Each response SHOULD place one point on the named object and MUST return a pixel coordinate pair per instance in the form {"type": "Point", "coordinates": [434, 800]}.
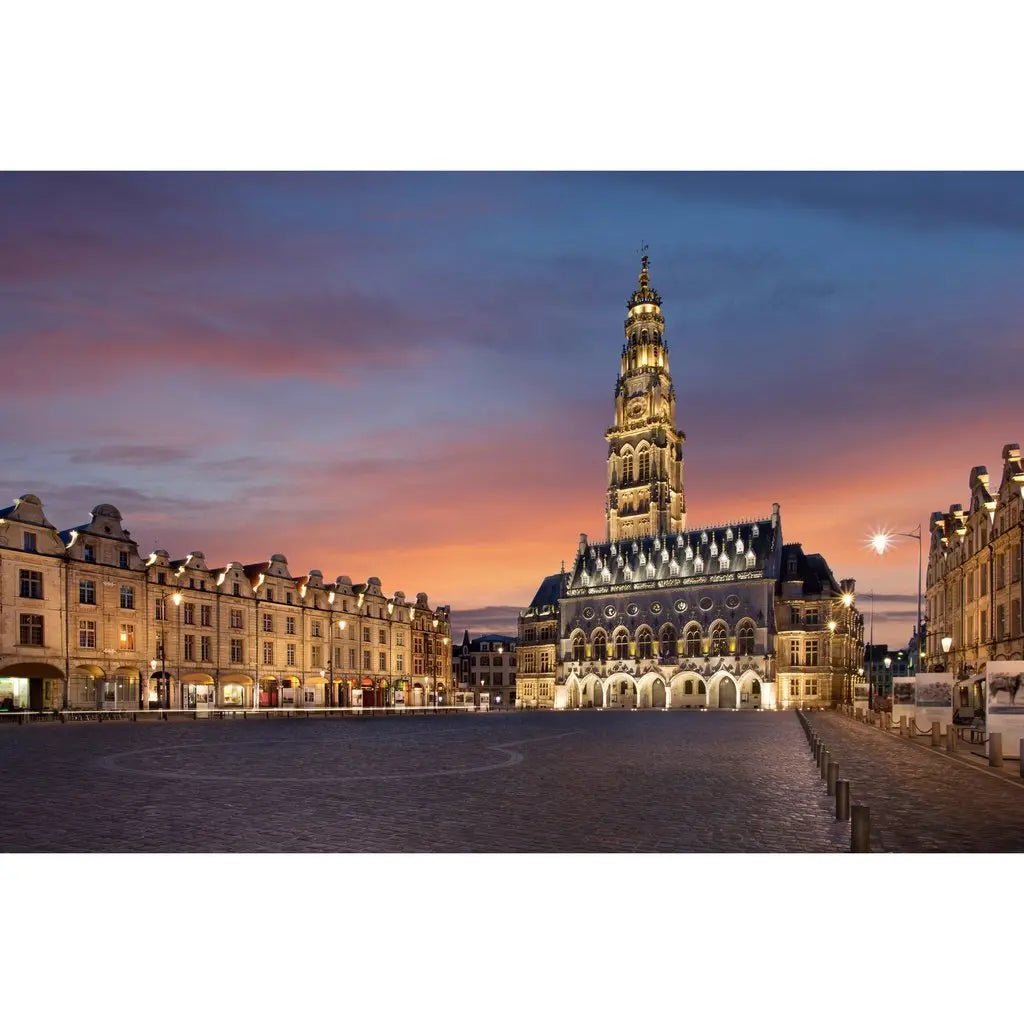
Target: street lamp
{"type": "Point", "coordinates": [881, 542]}
{"type": "Point", "coordinates": [176, 598]}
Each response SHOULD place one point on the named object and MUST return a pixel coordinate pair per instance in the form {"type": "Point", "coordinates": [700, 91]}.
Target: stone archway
{"type": "Point", "coordinates": [727, 695]}
{"type": "Point", "coordinates": [574, 695]}
{"type": "Point", "coordinates": [659, 698]}
{"type": "Point", "coordinates": [597, 694]}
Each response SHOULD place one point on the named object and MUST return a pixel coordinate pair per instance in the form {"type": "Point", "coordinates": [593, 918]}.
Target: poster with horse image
{"type": "Point", "coordinates": [1005, 685]}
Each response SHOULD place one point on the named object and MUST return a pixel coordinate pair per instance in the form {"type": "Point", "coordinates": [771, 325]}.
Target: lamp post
{"type": "Point", "coordinates": [881, 542]}
{"type": "Point", "coordinates": [176, 598]}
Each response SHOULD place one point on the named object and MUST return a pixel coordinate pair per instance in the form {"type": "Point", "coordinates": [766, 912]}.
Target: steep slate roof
{"type": "Point", "coordinates": [550, 590]}
{"type": "Point", "coordinates": [812, 570]}
{"type": "Point", "coordinates": [747, 548]}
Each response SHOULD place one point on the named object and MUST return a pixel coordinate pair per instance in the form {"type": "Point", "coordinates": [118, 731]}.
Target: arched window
{"type": "Point", "coordinates": [693, 642]}
{"type": "Point", "coordinates": [627, 468]}
{"type": "Point", "coordinates": [689, 688]}
{"type": "Point", "coordinates": [599, 644]}
{"type": "Point", "coordinates": [579, 647]}
{"type": "Point", "coordinates": [621, 646]}
{"type": "Point", "coordinates": [644, 644]}
{"type": "Point", "coordinates": [668, 641]}
{"type": "Point", "coordinates": [719, 641]}
{"type": "Point", "coordinates": [645, 466]}
{"type": "Point", "coordinates": [643, 336]}
{"type": "Point", "coordinates": [745, 639]}
{"type": "Point", "coordinates": [702, 689]}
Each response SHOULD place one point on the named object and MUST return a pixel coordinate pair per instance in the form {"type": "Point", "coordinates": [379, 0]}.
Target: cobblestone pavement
{"type": "Point", "coordinates": [584, 781]}
{"type": "Point", "coordinates": [921, 801]}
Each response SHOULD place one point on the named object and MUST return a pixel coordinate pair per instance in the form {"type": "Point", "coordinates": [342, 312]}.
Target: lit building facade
{"type": "Point", "coordinates": [87, 622]}
{"type": "Point", "coordinates": [975, 577]}
{"type": "Point", "coordinates": [665, 615]}
{"type": "Point", "coordinates": [537, 650]}
{"type": "Point", "coordinates": [486, 669]}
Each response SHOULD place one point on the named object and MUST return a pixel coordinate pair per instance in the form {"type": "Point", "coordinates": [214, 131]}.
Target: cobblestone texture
{"type": "Point", "coordinates": [585, 781]}
{"type": "Point", "coordinates": [921, 801]}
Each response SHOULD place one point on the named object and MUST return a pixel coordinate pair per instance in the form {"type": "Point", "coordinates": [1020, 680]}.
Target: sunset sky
{"type": "Point", "coordinates": [410, 375]}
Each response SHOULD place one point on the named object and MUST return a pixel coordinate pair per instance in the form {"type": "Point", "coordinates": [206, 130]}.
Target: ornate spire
{"type": "Point", "coordinates": [644, 293]}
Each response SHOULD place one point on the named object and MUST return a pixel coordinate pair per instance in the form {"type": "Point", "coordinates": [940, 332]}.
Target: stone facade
{"type": "Point", "coordinates": [721, 616]}
{"type": "Point", "coordinates": [87, 622]}
{"type": "Point", "coordinates": [975, 577]}
{"type": "Point", "coordinates": [486, 671]}
{"type": "Point", "coordinates": [537, 650]}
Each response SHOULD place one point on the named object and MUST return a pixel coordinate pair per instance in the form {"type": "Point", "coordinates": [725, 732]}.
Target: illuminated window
{"type": "Point", "coordinates": [87, 633]}
{"type": "Point", "coordinates": [719, 641]}
{"type": "Point", "coordinates": [692, 642]}
{"type": "Point", "coordinates": [645, 644]}
{"type": "Point", "coordinates": [745, 640]}
{"type": "Point", "coordinates": [621, 646]}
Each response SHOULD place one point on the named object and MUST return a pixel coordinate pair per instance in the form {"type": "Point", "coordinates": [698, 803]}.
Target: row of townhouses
{"type": "Point", "coordinates": [87, 621]}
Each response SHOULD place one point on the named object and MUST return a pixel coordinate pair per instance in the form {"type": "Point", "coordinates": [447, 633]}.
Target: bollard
{"type": "Point", "coordinates": [951, 739]}
{"type": "Point", "coordinates": [826, 757]}
{"type": "Point", "coordinates": [860, 829]}
{"type": "Point", "coordinates": [842, 800]}
{"type": "Point", "coordinates": [904, 728]}
{"type": "Point", "coordinates": [995, 750]}
{"type": "Point", "coordinates": [833, 777]}
{"type": "Point", "coordinates": [936, 734]}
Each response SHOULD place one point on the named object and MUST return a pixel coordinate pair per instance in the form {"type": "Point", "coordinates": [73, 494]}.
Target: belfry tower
{"type": "Point", "coordinates": [645, 451]}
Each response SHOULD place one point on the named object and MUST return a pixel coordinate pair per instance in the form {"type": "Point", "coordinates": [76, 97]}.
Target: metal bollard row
{"type": "Point", "coordinates": [859, 815]}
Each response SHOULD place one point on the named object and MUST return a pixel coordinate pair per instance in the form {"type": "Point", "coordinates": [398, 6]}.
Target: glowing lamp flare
{"type": "Point", "coordinates": [880, 542]}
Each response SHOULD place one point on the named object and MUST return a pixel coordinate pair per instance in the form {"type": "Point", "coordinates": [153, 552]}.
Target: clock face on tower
{"type": "Point", "coordinates": [635, 410]}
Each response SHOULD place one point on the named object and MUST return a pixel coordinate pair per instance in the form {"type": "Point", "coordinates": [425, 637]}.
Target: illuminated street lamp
{"type": "Point", "coordinates": [881, 542]}
{"type": "Point", "coordinates": [947, 643]}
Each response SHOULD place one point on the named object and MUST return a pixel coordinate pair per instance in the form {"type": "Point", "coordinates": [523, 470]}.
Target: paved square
{"type": "Point", "coordinates": [584, 781]}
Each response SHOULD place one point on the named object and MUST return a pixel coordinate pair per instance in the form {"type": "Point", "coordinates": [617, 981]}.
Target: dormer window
{"type": "Point", "coordinates": [791, 565]}
{"type": "Point", "coordinates": [88, 553]}
{"type": "Point", "coordinates": [28, 541]}
{"type": "Point", "coordinates": [270, 593]}
{"type": "Point", "coordinates": [236, 590]}
{"type": "Point", "coordinates": [122, 559]}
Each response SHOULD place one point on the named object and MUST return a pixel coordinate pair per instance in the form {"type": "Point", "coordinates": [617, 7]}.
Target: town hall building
{"type": "Point", "coordinates": [665, 615]}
